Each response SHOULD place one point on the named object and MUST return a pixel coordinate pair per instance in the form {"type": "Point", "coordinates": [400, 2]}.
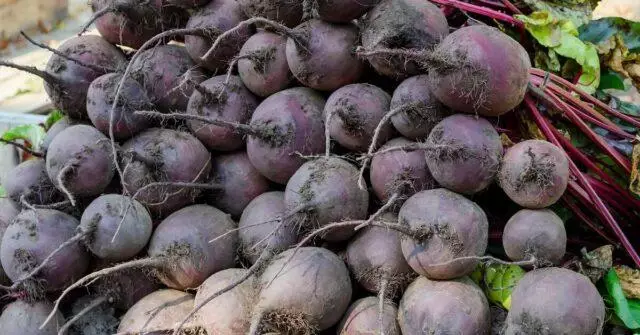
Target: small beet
{"type": "Point", "coordinates": [356, 110]}
{"type": "Point", "coordinates": [535, 233]}
{"type": "Point", "coordinates": [458, 228]}
{"type": "Point", "coordinates": [534, 173]}
{"type": "Point", "coordinates": [21, 317]}
{"type": "Point", "coordinates": [287, 12]}
{"type": "Point", "coordinates": [30, 179]}
{"type": "Point", "coordinates": [263, 64]}
{"type": "Point", "coordinates": [362, 318]}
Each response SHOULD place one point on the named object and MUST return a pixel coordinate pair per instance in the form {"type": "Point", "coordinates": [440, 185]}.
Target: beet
{"type": "Point", "coordinates": [323, 191]}
{"type": "Point", "coordinates": [21, 317]}
{"type": "Point", "coordinates": [30, 179]}
{"type": "Point", "coordinates": [157, 313]}
{"type": "Point", "coordinates": [534, 173]}
{"type": "Point", "coordinates": [168, 75]}
{"type": "Point", "coordinates": [444, 307]}
{"type": "Point", "coordinates": [362, 318]}
{"type": "Point", "coordinates": [326, 60]}
{"type": "Point", "coordinates": [301, 291]}
{"type": "Point", "coordinates": [240, 182]}
{"type": "Point", "coordinates": [229, 313]}
{"type": "Point", "coordinates": [31, 237]}
{"type": "Point", "coordinates": [222, 15]}
{"type": "Point", "coordinates": [399, 172]}
{"type": "Point", "coordinates": [80, 161]}
{"type": "Point", "coordinates": [8, 211]}
{"type": "Point", "coordinates": [535, 233]}
{"type": "Point", "coordinates": [100, 98]}
{"type": "Point", "coordinates": [480, 70]}
{"type": "Point", "coordinates": [261, 226]}
{"type": "Point", "coordinates": [343, 11]}
{"type": "Point", "coordinates": [356, 110]}
{"type": "Point", "coordinates": [458, 228]}
{"type": "Point", "coordinates": [55, 129]}
{"type": "Point", "coordinates": [184, 237]}
{"type": "Point", "coordinates": [402, 24]}
{"type": "Point", "coordinates": [535, 308]}
{"type": "Point", "coordinates": [290, 122]}
{"type": "Point", "coordinates": [418, 109]}
{"type": "Point", "coordinates": [228, 101]}
{"type": "Point", "coordinates": [122, 227]}
{"type": "Point", "coordinates": [68, 91]}
{"type": "Point", "coordinates": [464, 153]}
{"type": "Point", "coordinates": [164, 156]}
{"type": "Point", "coordinates": [262, 64]}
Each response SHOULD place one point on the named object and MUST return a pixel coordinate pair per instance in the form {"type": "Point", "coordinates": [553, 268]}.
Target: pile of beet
{"type": "Point", "coordinates": [286, 167]}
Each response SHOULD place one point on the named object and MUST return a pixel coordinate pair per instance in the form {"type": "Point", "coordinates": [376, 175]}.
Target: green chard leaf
{"type": "Point", "coordinates": [31, 133]}
{"type": "Point", "coordinates": [627, 310]}
{"type": "Point", "coordinates": [52, 118]}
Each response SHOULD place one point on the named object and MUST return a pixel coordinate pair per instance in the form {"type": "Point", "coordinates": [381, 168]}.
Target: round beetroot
{"type": "Point", "coordinates": [399, 172]}
{"type": "Point", "coordinates": [261, 227]}
{"type": "Point", "coordinates": [158, 313]}
{"type": "Point", "coordinates": [356, 110]}
{"type": "Point", "coordinates": [362, 318]}
{"type": "Point", "coordinates": [80, 161]}
{"type": "Point", "coordinates": [31, 237]}
{"type": "Point", "coordinates": [458, 228]}
{"type": "Point", "coordinates": [535, 233]}
{"type": "Point", "coordinates": [185, 236]}
{"type": "Point", "coordinates": [326, 60]}
{"type": "Point", "coordinates": [287, 12]}
{"type": "Point", "coordinates": [228, 101]}
{"type": "Point", "coordinates": [343, 11]}
{"type": "Point", "coordinates": [323, 191]}
{"type": "Point", "coordinates": [534, 173]}
{"type": "Point", "coordinates": [222, 15]}
{"type": "Point", "coordinates": [30, 179]}
{"type": "Point", "coordinates": [483, 71]}
{"type": "Point", "coordinates": [21, 317]}
{"type": "Point", "coordinates": [464, 153]}
{"type": "Point", "coordinates": [420, 111]}
{"type": "Point", "coordinates": [69, 93]}
{"type": "Point", "coordinates": [240, 182]}
{"type": "Point", "coordinates": [444, 307]}
{"type": "Point", "coordinates": [263, 68]}
{"type": "Point", "coordinates": [402, 24]}
{"type": "Point", "coordinates": [292, 123]}
{"type": "Point", "coordinates": [535, 308]}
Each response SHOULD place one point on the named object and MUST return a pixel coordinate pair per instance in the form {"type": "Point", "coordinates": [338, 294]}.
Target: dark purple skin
{"type": "Point", "coordinates": [89, 154]}
{"type": "Point", "coordinates": [106, 213]}
{"type": "Point", "coordinates": [125, 287]}
{"type": "Point", "coordinates": [399, 172]}
{"type": "Point", "coordinates": [312, 283]}
{"type": "Point", "coordinates": [236, 104]}
{"type": "Point", "coordinates": [362, 318]}
{"type": "Point", "coordinates": [188, 3]}
{"type": "Point", "coordinates": [185, 237]}
{"type": "Point", "coordinates": [534, 173]}
{"type": "Point", "coordinates": [327, 61]}
{"type": "Point", "coordinates": [294, 118]}
{"type": "Point", "coordinates": [241, 183]}
{"type": "Point", "coordinates": [8, 211]}
{"type": "Point", "coordinates": [534, 308]}
{"type": "Point", "coordinates": [132, 27]}
{"type": "Point", "coordinates": [465, 153]}
{"type": "Point", "coordinates": [402, 24]}
{"type": "Point", "coordinates": [539, 233]}
{"type": "Point", "coordinates": [32, 236]}
{"type": "Point", "coordinates": [459, 228]}
{"type": "Point", "coordinates": [286, 12]}
{"type": "Point", "coordinates": [56, 128]}
{"type": "Point", "coordinates": [356, 110]}
{"type": "Point", "coordinates": [133, 98]}
{"type": "Point", "coordinates": [343, 11]}
{"type": "Point", "coordinates": [164, 155]}
{"type": "Point", "coordinates": [259, 220]}
{"type": "Point", "coordinates": [491, 75]}
{"type": "Point", "coordinates": [168, 75]}
{"type": "Point", "coordinates": [69, 92]}
{"type": "Point", "coordinates": [21, 317]}
{"type": "Point", "coordinates": [222, 15]}
{"type": "Point", "coordinates": [328, 187]}
{"type": "Point", "coordinates": [422, 110]}
{"type": "Point", "coordinates": [374, 254]}
{"type": "Point", "coordinates": [30, 179]}
{"type": "Point", "coordinates": [444, 307]}
{"type": "Point", "coordinates": [267, 72]}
